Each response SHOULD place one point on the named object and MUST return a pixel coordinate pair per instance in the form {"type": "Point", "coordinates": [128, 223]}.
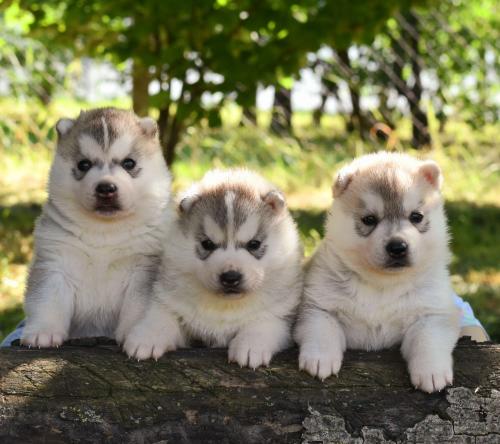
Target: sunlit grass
{"type": "Point", "coordinates": [303, 166]}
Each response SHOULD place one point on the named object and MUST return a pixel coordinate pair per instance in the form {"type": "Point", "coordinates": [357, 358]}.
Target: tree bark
{"type": "Point", "coordinates": [95, 394]}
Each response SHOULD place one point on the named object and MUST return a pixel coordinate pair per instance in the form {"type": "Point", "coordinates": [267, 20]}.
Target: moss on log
{"type": "Point", "coordinates": [95, 394]}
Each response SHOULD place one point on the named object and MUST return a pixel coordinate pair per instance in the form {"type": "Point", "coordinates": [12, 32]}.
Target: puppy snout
{"type": "Point", "coordinates": [397, 248]}
{"type": "Point", "coordinates": [230, 279]}
{"type": "Point", "coordinates": [106, 190]}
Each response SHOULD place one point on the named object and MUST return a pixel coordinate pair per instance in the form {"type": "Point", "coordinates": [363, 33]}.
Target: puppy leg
{"type": "Point", "coordinates": [135, 301]}
{"type": "Point", "coordinates": [427, 347]}
{"type": "Point", "coordinates": [322, 343]}
{"type": "Point", "coordinates": [254, 345]}
{"type": "Point", "coordinates": [159, 331]}
{"type": "Point", "coordinates": [49, 308]}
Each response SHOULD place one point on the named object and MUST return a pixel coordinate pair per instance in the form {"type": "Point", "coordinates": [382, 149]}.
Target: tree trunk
{"type": "Point", "coordinates": [140, 85]}
{"type": "Point", "coordinates": [320, 110]}
{"type": "Point", "coordinates": [356, 120]}
{"type": "Point", "coordinates": [169, 133]}
{"type": "Point", "coordinates": [249, 116]}
{"type": "Point", "coordinates": [420, 125]}
{"type": "Point", "coordinates": [95, 394]}
{"type": "Point", "coordinates": [281, 119]}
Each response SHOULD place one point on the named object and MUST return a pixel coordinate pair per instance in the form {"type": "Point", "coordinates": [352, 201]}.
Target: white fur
{"type": "Point", "coordinates": [91, 274]}
{"type": "Point", "coordinates": [187, 299]}
{"type": "Point", "coordinates": [350, 301]}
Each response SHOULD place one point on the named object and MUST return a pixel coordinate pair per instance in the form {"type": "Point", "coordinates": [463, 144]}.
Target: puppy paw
{"type": "Point", "coordinates": [249, 351]}
{"type": "Point", "coordinates": [431, 378]}
{"type": "Point", "coordinates": [120, 335]}
{"type": "Point", "coordinates": [320, 362]}
{"type": "Point", "coordinates": [141, 345]}
{"type": "Point", "coordinates": [43, 338]}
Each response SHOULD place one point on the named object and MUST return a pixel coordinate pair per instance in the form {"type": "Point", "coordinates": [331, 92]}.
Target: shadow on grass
{"type": "Point", "coordinates": [10, 318]}
{"type": "Point", "coordinates": [16, 227]}
{"type": "Point", "coordinates": [475, 235]}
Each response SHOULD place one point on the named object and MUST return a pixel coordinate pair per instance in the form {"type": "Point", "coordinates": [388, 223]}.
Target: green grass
{"type": "Point", "coordinates": [303, 166]}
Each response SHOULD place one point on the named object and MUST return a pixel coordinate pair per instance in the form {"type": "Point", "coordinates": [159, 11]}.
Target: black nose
{"type": "Point", "coordinates": [397, 248]}
{"type": "Point", "coordinates": [230, 279]}
{"type": "Point", "coordinates": [106, 189]}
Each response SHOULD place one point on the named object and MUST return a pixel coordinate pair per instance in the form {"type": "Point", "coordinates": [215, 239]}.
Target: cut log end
{"type": "Point", "coordinates": [90, 392]}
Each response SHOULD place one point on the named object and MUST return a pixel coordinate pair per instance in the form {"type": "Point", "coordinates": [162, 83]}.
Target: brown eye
{"type": "Point", "coordinates": [416, 217]}
{"type": "Point", "coordinates": [128, 164]}
{"type": "Point", "coordinates": [208, 245]}
{"type": "Point", "coordinates": [84, 165]}
{"type": "Point", "coordinates": [253, 245]}
{"type": "Point", "coordinates": [370, 220]}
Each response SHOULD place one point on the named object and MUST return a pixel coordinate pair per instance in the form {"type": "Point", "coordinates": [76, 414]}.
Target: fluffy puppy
{"type": "Point", "coordinates": [230, 274]}
{"type": "Point", "coordinates": [380, 277]}
{"type": "Point", "coordinates": [97, 241]}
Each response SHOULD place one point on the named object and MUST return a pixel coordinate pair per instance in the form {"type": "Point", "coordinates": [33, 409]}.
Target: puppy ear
{"type": "Point", "coordinates": [186, 203]}
{"type": "Point", "coordinates": [63, 126]}
{"type": "Point", "coordinates": [148, 126]}
{"type": "Point", "coordinates": [342, 181]}
{"type": "Point", "coordinates": [275, 200]}
{"type": "Point", "coordinates": [431, 173]}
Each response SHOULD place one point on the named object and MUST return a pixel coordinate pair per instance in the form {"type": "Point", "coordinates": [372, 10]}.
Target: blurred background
{"type": "Point", "coordinates": [294, 89]}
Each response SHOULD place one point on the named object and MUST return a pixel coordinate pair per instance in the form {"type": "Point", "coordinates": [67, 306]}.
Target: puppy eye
{"type": "Point", "coordinates": [128, 164]}
{"type": "Point", "coordinates": [370, 220]}
{"type": "Point", "coordinates": [416, 217]}
{"type": "Point", "coordinates": [253, 245]}
{"type": "Point", "coordinates": [84, 165]}
{"type": "Point", "coordinates": [208, 245]}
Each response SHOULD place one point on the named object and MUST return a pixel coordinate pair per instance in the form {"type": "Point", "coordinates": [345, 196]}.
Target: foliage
{"type": "Point", "coordinates": [27, 68]}
{"type": "Point", "coordinates": [198, 54]}
{"type": "Point", "coordinates": [449, 47]}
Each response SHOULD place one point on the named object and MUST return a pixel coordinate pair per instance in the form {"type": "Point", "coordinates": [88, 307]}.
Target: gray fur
{"type": "Point", "coordinates": [389, 189]}
{"type": "Point", "coordinates": [213, 204]}
{"type": "Point", "coordinates": [91, 123]}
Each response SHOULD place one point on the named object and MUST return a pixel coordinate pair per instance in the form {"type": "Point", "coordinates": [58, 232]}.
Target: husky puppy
{"type": "Point", "coordinates": [380, 277]}
{"type": "Point", "coordinates": [230, 275]}
{"type": "Point", "coordinates": [97, 241]}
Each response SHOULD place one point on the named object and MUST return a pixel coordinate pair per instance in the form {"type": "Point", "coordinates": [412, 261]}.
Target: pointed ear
{"type": "Point", "coordinates": [275, 200]}
{"type": "Point", "coordinates": [431, 173]}
{"type": "Point", "coordinates": [187, 203]}
{"type": "Point", "coordinates": [63, 126]}
{"type": "Point", "coordinates": [149, 126]}
{"type": "Point", "coordinates": [342, 181]}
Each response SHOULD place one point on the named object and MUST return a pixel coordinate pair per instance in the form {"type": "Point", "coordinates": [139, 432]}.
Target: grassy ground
{"type": "Point", "coordinates": [303, 166]}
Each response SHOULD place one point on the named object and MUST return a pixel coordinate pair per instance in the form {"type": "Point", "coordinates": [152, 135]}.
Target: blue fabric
{"type": "Point", "coordinates": [16, 334]}
{"type": "Point", "coordinates": [467, 319]}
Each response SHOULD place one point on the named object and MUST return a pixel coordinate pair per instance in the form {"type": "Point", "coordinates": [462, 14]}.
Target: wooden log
{"type": "Point", "coordinates": [95, 394]}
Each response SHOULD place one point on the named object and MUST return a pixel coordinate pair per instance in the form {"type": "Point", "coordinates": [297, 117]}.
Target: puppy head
{"type": "Point", "coordinates": [388, 216]}
{"type": "Point", "coordinates": [108, 165]}
{"type": "Point", "coordinates": [233, 223]}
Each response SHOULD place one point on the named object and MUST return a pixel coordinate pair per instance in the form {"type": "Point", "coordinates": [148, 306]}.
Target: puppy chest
{"type": "Point", "coordinates": [372, 327]}
{"type": "Point", "coordinates": [102, 281]}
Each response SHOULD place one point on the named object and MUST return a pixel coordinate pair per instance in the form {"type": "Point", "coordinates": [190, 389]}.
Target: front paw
{"type": "Point", "coordinates": [249, 351]}
{"type": "Point", "coordinates": [43, 338]}
{"type": "Point", "coordinates": [320, 361]}
{"type": "Point", "coordinates": [140, 344]}
{"type": "Point", "coordinates": [431, 376]}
